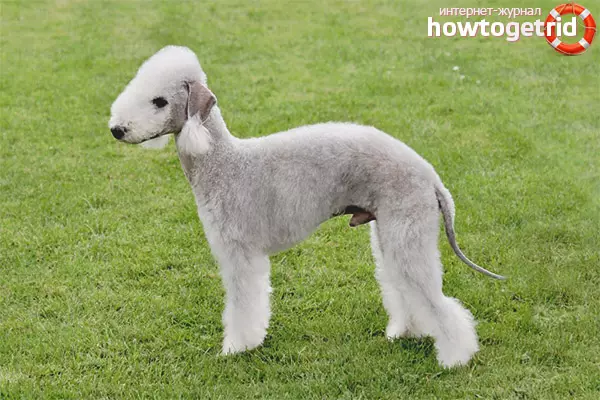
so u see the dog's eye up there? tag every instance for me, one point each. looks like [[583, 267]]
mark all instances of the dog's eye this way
[[159, 102]]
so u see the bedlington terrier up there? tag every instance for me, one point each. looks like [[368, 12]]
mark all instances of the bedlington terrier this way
[[262, 195]]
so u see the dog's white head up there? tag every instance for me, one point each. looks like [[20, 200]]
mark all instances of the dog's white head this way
[[168, 92]]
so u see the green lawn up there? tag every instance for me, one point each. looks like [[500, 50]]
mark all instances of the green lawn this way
[[108, 288]]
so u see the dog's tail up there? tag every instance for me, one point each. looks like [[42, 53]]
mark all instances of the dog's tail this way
[[447, 206]]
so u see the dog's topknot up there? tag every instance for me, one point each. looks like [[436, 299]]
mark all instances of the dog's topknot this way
[[172, 64]]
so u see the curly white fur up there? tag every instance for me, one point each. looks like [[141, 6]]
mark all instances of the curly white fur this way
[[262, 195]]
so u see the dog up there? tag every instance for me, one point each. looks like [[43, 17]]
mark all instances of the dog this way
[[263, 195]]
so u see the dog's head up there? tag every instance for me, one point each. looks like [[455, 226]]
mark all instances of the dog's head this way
[[168, 92]]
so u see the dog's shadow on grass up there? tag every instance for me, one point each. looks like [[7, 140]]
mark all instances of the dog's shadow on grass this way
[[423, 345], [419, 349], [418, 346]]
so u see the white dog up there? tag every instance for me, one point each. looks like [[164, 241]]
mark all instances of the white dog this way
[[262, 195]]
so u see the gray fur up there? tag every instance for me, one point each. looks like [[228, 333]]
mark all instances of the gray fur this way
[[263, 195]]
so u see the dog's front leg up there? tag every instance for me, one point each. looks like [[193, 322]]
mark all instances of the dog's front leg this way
[[246, 315]]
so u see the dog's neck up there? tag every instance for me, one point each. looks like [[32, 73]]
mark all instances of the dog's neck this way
[[196, 162], [217, 128]]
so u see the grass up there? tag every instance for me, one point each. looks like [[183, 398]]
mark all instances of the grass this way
[[107, 286]]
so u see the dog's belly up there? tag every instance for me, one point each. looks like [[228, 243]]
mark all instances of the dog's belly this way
[[294, 234], [287, 238], [296, 211]]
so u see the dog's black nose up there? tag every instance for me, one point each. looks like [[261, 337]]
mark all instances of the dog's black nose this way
[[118, 131]]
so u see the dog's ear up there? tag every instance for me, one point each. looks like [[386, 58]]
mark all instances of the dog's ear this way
[[200, 100]]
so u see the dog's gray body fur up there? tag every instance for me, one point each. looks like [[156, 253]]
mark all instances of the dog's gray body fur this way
[[285, 185], [262, 195]]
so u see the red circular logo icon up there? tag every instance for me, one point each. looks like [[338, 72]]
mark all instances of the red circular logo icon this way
[[550, 29]]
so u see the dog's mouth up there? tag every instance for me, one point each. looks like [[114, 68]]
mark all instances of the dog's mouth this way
[[150, 138], [143, 140]]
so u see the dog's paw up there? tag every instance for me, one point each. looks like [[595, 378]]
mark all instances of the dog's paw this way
[[456, 354], [229, 348], [236, 345], [396, 330], [449, 359]]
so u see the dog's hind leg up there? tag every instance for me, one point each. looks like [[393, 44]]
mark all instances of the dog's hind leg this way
[[393, 300], [411, 262], [247, 312]]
